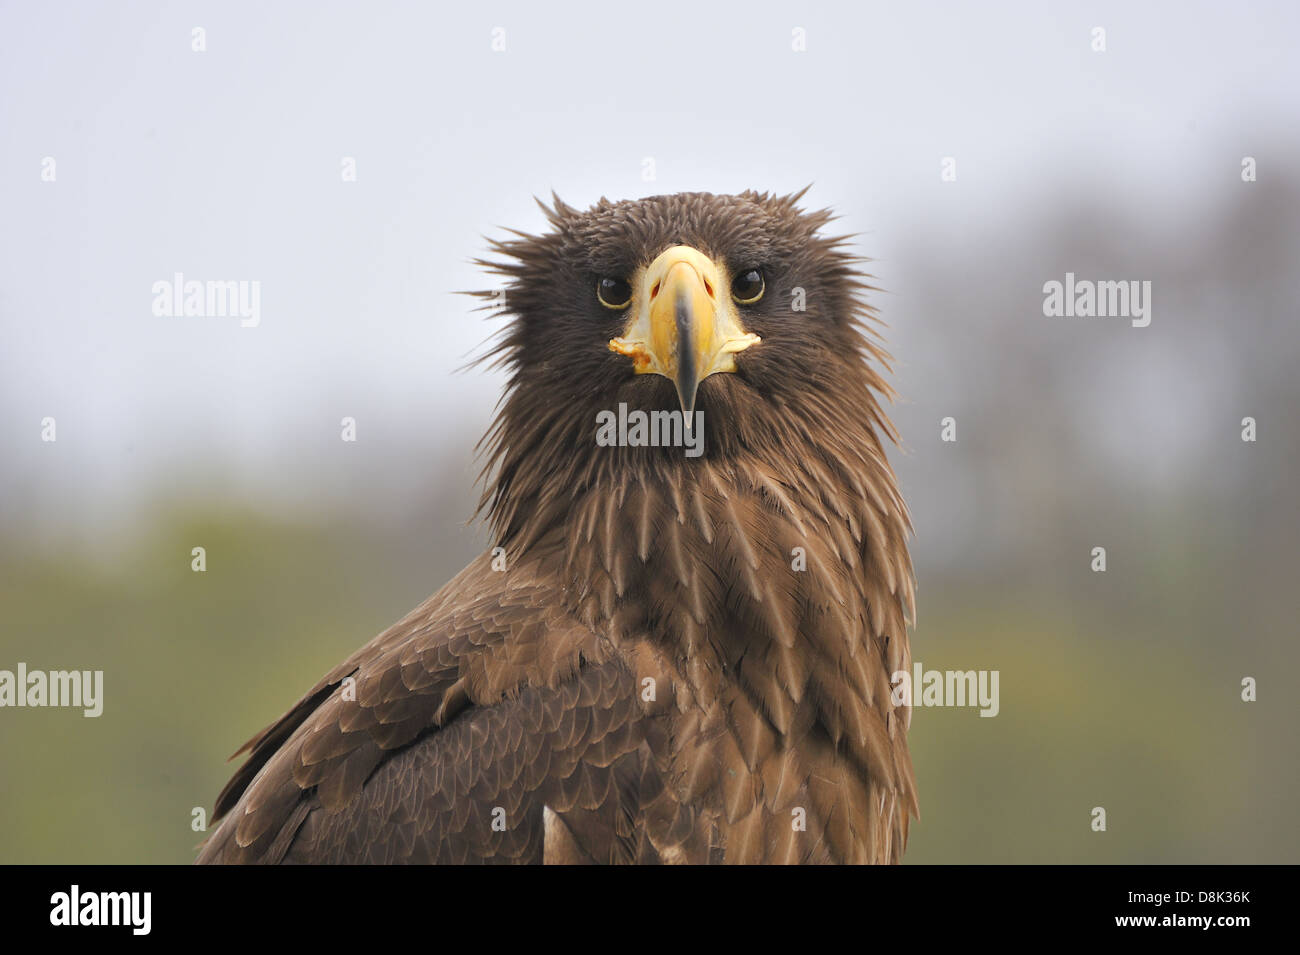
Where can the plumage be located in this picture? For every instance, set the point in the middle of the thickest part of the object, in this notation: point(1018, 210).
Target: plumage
point(684, 659)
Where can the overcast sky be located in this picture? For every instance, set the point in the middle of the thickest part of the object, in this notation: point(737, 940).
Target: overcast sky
point(226, 164)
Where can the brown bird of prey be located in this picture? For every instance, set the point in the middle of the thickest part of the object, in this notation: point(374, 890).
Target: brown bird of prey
point(680, 646)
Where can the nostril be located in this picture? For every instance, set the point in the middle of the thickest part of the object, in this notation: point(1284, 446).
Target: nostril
point(654, 291)
point(708, 286)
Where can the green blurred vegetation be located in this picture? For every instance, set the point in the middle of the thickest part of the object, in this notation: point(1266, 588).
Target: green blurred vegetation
point(194, 664)
point(1130, 704)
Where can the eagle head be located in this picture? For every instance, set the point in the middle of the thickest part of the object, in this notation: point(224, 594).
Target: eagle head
point(734, 311)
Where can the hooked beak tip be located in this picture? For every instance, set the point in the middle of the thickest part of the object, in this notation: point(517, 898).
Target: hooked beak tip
point(686, 397)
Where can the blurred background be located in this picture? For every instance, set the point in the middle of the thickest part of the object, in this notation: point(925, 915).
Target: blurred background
point(1119, 689)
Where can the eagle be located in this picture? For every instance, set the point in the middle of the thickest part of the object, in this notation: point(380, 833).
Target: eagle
point(675, 651)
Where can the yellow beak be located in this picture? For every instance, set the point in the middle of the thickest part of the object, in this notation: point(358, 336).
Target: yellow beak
point(684, 326)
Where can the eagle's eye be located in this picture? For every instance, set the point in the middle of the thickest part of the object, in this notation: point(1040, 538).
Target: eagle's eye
point(614, 293)
point(747, 286)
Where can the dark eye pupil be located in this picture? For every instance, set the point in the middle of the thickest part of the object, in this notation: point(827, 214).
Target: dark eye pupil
point(613, 292)
point(748, 283)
